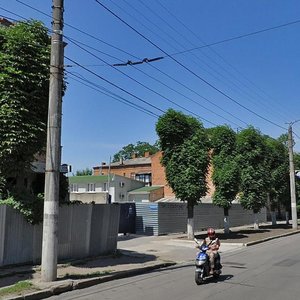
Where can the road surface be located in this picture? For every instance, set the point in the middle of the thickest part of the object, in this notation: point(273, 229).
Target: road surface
point(270, 270)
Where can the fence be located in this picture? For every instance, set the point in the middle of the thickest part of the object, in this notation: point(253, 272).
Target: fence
point(84, 230)
point(163, 218)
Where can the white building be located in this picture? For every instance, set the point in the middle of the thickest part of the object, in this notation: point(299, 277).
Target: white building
point(102, 189)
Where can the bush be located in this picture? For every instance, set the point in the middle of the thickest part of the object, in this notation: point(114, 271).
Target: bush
point(29, 205)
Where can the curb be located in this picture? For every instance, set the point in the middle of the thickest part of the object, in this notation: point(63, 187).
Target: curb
point(270, 238)
point(84, 283)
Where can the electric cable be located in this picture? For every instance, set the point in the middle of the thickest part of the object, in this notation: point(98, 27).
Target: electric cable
point(260, 31)
point(108, 93)
point(278, 112)
point(143, 85)
point(189, 70)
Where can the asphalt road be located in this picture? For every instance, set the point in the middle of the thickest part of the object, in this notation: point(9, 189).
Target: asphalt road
point(270, 270)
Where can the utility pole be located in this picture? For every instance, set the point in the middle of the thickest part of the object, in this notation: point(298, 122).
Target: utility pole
point(292, 177)
point(53, 150)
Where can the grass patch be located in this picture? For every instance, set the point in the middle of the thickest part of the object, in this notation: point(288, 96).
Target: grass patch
point(17, 288)
point(86, 276)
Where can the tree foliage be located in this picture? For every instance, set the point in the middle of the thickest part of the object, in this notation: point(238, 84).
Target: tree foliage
point(24, 88)
point(139, 149)
point(185, 147)
point(278, 162)
point(84, 172)
point(186, 169)
point(255, 171)
point(225, 166)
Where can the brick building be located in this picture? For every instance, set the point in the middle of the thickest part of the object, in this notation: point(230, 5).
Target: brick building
point(147, 169)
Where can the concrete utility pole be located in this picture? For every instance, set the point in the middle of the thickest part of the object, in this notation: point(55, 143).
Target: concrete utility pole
point(53, 151)
point(292, 177)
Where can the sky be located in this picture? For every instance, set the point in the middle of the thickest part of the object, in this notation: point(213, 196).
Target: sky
point(207, 70)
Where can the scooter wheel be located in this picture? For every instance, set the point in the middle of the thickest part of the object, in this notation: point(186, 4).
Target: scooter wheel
point(198, 278)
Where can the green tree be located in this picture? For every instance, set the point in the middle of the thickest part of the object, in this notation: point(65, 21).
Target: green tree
point(225, 167)
point(255, 172)
point(86, 171)
point(278, 162)
point(138, 149)
point(24, 86)
point(185, 146)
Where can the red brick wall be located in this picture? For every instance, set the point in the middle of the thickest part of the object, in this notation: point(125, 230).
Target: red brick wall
point(159, 177)
point(158, 174)
point(125, 170)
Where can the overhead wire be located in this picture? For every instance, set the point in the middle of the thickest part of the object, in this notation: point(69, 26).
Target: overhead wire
point(211, 102)
point(147, 75)
point(114, 85)
point(187, 69)
point(197, 103)
point(100, 77)
point(73, 41)
point(97, 87)
point(131, 55)
point(143, 85)
point(237, 78)
point(108, 93)
point(203, 64)
point(90, 35)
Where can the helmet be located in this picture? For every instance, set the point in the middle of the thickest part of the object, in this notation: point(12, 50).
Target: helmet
point(211, 232)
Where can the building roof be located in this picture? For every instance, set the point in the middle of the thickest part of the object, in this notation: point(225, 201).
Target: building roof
point(146, 189)
point(89, 179)
point(5, 22)
point(129, 162)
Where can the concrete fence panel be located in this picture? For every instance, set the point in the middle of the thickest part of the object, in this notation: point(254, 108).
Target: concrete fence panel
point(84, 230)
point(165, 217)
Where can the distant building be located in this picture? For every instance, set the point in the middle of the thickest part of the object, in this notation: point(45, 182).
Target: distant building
point(138, 168)
point(147, 169)
point(102, 188)
point(5, 22)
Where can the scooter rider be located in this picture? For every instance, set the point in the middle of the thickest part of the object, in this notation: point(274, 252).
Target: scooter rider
point(213, 243)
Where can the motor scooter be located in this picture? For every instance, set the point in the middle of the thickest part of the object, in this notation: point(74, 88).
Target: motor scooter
point(202, 264)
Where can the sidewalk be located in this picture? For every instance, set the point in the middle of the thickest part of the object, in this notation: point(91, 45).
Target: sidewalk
point(135, 255)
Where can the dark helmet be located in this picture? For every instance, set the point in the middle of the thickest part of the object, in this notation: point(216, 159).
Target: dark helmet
point(211, 232)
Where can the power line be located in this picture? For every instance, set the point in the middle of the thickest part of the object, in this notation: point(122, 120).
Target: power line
point(160, 29)
point(121, 50)
point(186, 68)
point(78, 29)
point(108, 93)
point(130, 55)
point(143, 85)
point(109, 82)
point(220, 56)
point(237, 37)
point(114, 85)
point(72, 40)
point(211, 111)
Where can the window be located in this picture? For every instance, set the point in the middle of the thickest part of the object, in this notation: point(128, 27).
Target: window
point(143, 177)
point(91, 187)
point(105, 186)
point(74, 187)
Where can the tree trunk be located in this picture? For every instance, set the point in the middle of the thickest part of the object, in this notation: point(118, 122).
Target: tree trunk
point(272, 207)
point(273, 216)
point(256, 223)
point(287, 217)
point(190, 222)
point(226, 221)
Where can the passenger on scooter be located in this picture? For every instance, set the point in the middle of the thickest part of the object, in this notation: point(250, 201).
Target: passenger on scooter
point(214, 244)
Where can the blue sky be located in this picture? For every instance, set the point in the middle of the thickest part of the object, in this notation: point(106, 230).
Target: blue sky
point(260, 72)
